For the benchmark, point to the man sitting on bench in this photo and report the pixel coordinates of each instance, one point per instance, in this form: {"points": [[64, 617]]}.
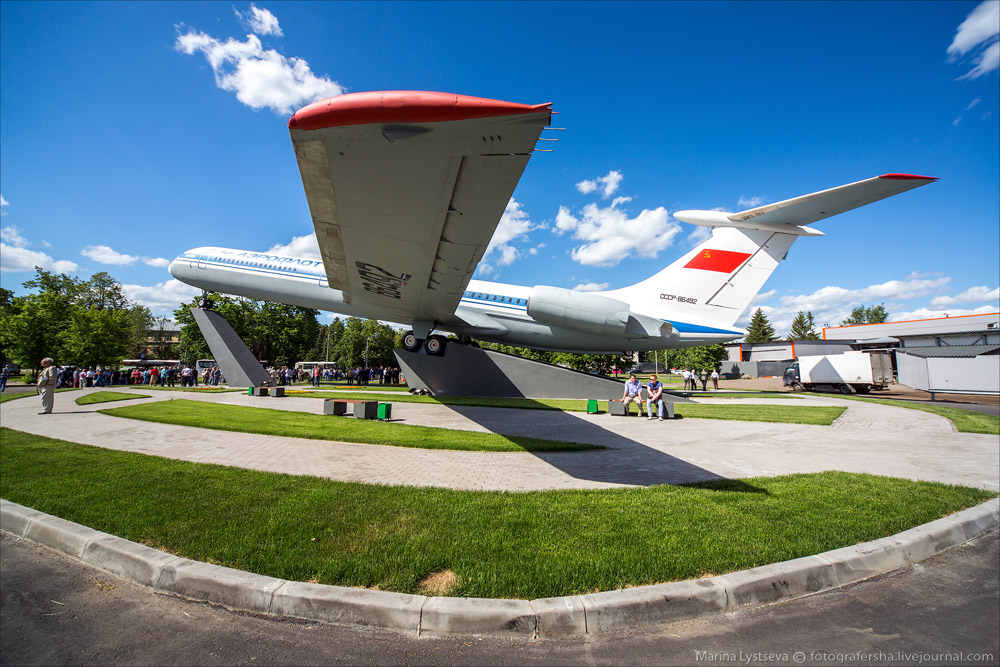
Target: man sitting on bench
{"points": [[632, 393], [654, 394]]}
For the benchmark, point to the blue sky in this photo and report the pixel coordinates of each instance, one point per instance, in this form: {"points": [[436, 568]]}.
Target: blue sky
{"points": [[121, 146]]}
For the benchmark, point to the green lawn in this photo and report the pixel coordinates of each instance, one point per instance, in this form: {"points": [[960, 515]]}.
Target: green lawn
{"points": [[821, 415], [108, 397], [199, 389], [4, 397], [564, 404], [518, 545], [322, 427]]}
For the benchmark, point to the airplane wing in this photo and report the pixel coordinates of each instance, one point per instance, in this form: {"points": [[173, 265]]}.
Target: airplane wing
{"points": [[818, 205], [406, 188]]}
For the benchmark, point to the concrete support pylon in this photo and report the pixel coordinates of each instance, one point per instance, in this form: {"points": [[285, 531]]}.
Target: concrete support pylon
{"points": [[237, 363], [471, 371]]}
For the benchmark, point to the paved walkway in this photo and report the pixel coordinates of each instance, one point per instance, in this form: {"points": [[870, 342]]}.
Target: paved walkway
{"points": [[868, 438]]}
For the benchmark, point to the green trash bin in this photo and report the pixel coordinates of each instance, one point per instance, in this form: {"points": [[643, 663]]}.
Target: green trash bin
{"points": [[250, 391], [385, 411], [592, 406]]}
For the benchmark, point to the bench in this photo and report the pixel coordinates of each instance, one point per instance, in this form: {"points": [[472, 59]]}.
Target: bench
{"points": [[279, 392], [617, 407], [361, 409]]}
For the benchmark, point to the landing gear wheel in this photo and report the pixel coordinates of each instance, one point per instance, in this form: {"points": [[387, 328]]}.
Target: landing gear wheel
{"points": [[844, 389], [205, 303], [410, 341], [435, 345]]}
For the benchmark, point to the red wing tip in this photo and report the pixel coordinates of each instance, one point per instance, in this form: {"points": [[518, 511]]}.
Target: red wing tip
{"points": [[402, 106], [908, 177]]}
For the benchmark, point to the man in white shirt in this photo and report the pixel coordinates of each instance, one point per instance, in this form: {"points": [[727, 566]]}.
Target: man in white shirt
{"points": [[632, 393]]}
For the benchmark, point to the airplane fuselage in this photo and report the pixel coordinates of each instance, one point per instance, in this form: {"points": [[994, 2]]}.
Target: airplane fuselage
{"points": [[499, 310]]}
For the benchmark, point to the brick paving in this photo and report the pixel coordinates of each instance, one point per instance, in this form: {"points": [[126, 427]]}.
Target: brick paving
{"points": [[868, 438]]}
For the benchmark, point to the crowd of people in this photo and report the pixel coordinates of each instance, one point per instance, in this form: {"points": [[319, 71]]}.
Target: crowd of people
{"points": [[691, 378], [72, 377], [358, 375]]}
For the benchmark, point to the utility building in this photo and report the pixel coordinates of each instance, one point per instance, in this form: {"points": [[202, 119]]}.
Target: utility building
{"points": [[945, 354]]}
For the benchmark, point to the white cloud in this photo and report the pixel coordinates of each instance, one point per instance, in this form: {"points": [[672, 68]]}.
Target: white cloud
{"points": [[12, 235], [162, 297], [699, 236], [749, 202], [608, 184], [972, 104], [3, 202], [15, 255], [260, 78], [158, 262], [610, 235], [988, 61], [105, 255], [978, 294], [831, 305], [514, 226], [978, 34], [14, 259], [300, 246], [592, 287], [955, 122], [930, 313], [261, 21]]}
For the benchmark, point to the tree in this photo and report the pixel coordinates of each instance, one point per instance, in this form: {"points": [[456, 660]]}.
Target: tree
{"points": [[803, 327], [87, 323], [601, 363], [760, 330], [274, 332], [698, 358], [357, 335], [873, 315]]}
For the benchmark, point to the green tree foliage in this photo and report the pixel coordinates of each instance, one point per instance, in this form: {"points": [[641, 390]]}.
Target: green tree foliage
{"points": [[871, 315], [349, 340], [85, 323], [601, 363], [708, 357], [803, 327], [274, 332], [760, 330]]}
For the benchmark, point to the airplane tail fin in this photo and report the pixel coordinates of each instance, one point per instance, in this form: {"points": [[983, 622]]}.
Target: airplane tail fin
{"points": [[715, 282]]}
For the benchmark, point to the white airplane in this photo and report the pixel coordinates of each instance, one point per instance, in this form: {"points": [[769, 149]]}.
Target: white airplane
{"points": [[406, 189]]}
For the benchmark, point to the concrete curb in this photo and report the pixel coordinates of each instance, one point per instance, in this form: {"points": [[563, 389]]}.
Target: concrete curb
{"points": [[571, 616]]}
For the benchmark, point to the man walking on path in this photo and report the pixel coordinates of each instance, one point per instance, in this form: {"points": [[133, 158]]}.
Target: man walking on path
{"points": [[47, 385]]}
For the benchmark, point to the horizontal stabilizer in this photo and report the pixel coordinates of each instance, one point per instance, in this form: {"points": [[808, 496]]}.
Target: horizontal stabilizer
{"points": [[787, 217]]}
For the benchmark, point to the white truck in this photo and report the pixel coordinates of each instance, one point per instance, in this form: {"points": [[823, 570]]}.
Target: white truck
{"points": [[848, 373]]}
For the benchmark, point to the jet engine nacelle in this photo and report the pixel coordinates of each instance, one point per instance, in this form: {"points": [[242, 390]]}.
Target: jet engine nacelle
{"points": [[591, 313], [579, 311]]}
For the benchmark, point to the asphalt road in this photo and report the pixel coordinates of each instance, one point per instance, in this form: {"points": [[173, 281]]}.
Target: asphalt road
{"points": [[55, 611]]}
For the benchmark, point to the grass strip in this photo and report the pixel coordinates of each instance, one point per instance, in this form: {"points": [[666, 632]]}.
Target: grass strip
{"points": [[200, 390], [506, 545], [818, 415], [265, 421], [25, 394], [965, 421], [108, 397], [564, 404]]}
